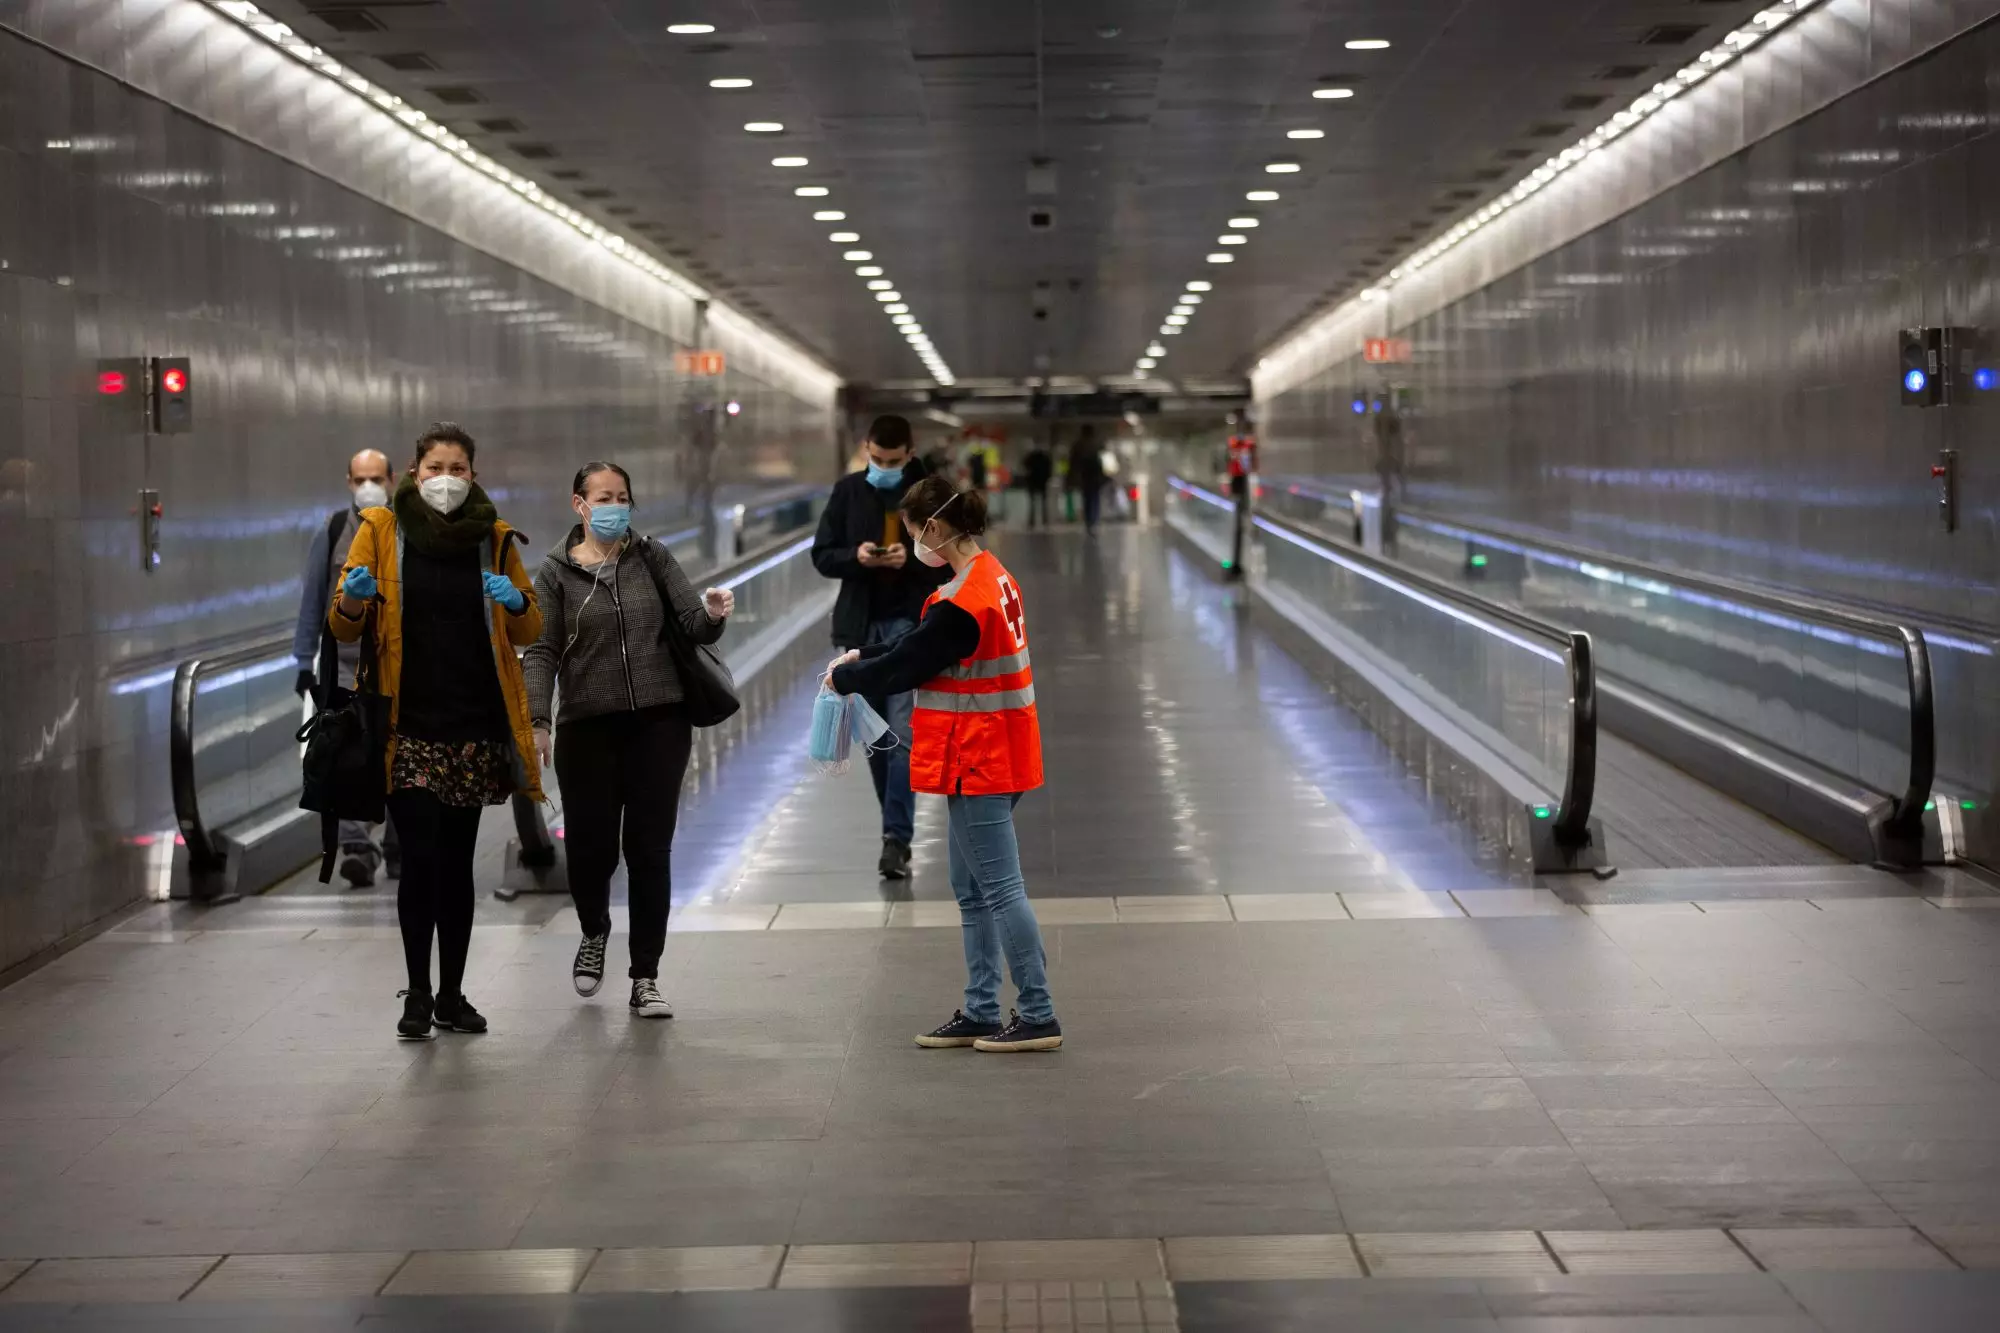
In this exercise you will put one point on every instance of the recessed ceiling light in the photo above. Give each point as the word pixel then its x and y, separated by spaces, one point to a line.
pixel 1281 168
pixel 897 309
pixel 1183 309
pixel 790 161
pixel 1231 238
pixel 1156 350
pixel 1177 320
pixel 1262 196
pixel 820 191
pixel 1147 363
pixel 730 83
pixel 1243 224
pixel 1221 258
pixel 1305 134
pixel 1190 298
pixel 765 127
pixel 690 29
pixel 844 237
pixel 858 256
pixel 879 284
pixel 889 295
pixel 1367 44
pixel 902 317
pixel 1333 94
pixel 829 215
pixel 913 330
pixel 1170 330
pixel 868 271
pixel 1201 285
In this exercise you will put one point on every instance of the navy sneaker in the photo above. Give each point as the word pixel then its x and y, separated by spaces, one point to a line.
pixel 1019 1036
pixel 961 1031
pixel 456 1014
pixel 415 1024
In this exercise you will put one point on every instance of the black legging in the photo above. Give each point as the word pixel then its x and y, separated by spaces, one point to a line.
pixel 623 768
pixel 435 893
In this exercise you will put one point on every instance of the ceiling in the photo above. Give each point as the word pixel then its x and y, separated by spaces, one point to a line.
pixel 923 119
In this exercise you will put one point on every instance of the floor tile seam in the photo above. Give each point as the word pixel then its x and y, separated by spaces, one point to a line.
pixel 205 1273
pixel 1932 1241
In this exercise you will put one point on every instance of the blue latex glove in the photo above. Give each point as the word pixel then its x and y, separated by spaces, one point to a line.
pixel 360 584
pixel 502 590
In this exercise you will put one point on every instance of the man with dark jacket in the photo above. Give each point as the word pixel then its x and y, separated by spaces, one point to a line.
pixel 883 587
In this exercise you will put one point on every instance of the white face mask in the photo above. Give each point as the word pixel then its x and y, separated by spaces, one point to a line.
pixel 370 495
pixel 932 556
pixel 444 494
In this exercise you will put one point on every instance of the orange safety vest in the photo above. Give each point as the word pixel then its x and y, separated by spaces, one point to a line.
pixel 975 731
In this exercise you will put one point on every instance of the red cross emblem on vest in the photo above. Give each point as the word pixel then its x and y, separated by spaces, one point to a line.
pixel 1010 609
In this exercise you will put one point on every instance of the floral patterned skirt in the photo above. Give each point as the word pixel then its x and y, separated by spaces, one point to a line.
pixel 460 773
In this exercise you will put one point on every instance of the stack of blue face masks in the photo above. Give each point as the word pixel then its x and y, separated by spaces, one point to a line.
pixel 836 721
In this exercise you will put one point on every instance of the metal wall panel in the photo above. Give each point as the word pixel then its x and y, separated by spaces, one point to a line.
pixel 319 322
pixel 1710 379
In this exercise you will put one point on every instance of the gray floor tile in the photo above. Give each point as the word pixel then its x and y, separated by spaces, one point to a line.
pixel 106 1281
pixel 713 1268
pixel 296 1277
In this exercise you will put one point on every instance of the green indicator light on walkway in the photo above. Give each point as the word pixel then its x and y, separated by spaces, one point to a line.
pixel 1479 562
pixel 1930 805
pixel 1968 805
pixel 1542 812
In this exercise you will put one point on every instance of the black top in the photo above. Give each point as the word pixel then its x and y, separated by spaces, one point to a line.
pixel 854 514
pixel 946 636
pixel 451 685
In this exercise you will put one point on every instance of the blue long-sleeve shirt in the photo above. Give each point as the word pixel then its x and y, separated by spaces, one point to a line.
pixel 314 595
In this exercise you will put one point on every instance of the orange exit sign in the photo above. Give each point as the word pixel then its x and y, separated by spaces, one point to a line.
pixel 1385 349
pixel 698 363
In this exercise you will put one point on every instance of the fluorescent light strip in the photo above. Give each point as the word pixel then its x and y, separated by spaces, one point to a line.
pixel 1649 103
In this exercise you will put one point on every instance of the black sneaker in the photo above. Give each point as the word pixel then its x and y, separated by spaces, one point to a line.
pixel 1019 1036
pixel 588 970
pixel 415 1024
pixel 895 862
pixel 647 1002
pixel 357 870
pixel 456 1014
pixel 961 1031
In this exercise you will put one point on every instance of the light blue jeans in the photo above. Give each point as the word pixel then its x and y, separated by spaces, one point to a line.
pixel 994 914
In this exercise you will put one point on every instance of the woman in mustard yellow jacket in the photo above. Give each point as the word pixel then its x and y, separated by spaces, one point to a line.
pixel 451 601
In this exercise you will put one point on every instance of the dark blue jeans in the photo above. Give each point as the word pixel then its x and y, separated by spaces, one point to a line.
pixel 993 910
pixel 891 768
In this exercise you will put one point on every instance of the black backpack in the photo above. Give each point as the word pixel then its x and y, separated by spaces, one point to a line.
pixel 347 743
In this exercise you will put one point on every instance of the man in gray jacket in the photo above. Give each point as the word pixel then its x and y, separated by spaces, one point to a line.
pixel 322 662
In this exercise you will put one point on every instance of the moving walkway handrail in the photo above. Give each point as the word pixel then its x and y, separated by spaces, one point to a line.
pixel 1571 823
pixel 1909 638
pixel 275 642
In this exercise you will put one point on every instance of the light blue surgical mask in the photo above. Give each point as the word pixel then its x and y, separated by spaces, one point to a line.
pixel 608 522
pixel 884 478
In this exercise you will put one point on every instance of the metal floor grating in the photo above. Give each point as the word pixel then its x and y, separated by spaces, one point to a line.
pixel 1661 818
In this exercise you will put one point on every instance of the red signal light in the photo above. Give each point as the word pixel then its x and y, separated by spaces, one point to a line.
pixel 111 383
pixel 174 380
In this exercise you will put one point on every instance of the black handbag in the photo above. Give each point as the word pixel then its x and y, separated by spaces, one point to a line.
pixel 708 690
pixel 347 741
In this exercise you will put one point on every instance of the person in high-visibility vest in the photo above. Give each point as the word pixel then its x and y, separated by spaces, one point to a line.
pixel 977 742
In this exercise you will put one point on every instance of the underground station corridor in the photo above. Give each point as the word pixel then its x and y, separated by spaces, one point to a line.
pixel 1451 546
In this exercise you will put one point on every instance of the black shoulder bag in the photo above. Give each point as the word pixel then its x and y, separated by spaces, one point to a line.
pixel 708 690
pixel 347 742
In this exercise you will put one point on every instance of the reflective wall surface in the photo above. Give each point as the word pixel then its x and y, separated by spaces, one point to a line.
pixel 1711 379
pixel 318 322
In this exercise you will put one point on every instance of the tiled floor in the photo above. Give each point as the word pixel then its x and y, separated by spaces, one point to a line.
pixel 1304 1046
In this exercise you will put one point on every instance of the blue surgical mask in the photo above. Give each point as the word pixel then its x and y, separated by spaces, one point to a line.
pixel 884 478
pixel 608 522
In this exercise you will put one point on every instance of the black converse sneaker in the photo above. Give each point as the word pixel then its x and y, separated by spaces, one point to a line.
pixel 456 1014
pixel 647 1002
pixel 415 1024
pixel 961 1031
pixel 1019 1036
pixel 588 970
pixel 895 862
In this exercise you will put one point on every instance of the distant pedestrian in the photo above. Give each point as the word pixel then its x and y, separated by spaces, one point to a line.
pixel 324 661
pixel 1086 475
pixel 1038 469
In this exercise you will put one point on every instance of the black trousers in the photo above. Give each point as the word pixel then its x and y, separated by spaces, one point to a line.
pixel 434 897
pixel 624 769
pixel 1038 505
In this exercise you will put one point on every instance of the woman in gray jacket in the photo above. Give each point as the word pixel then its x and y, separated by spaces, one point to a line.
pixel 621 739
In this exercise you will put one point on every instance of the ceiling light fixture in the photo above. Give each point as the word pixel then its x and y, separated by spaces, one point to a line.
pixel 1201 285
pixel 868 271
pixel 888 294
pixel 1154 349
pixel 843 237
pixel 1367 44
pixel 690 29
pixel 1243 224
pixel 1262 196
pixel 1281 168
pixel 1231 238
pixel 901 317
pixel 1333 94
pixel 1189 298
pixel 829 215
pixel 1183 309
pixel 879 284
pixel 1146 363
pixel 730 83
pixel 1170 330
pixel 812 192
pixel 1177 320
pixel 791 162
pixel 765 127
pixel 1305 134
pixel 1731 48
pixel 897 309
pixel 858 256
pixel 1220 257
